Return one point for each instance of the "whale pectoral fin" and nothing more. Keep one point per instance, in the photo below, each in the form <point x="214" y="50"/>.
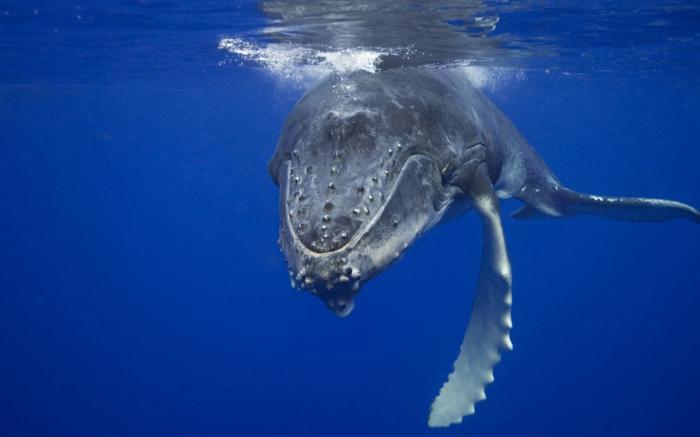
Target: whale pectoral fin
<point x="558" y="201"/>
<point x="490" y="322"/>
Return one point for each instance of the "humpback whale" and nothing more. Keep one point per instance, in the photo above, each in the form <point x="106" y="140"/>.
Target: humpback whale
<point x="367" y="162"/>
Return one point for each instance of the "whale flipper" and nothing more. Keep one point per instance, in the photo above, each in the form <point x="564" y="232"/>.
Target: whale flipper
<point x="528" y="178"/>
<point x="490" y="321"/>
<point x="558" y="201"/>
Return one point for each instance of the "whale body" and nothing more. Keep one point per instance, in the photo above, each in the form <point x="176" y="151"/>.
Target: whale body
<point x="367" y="162"/>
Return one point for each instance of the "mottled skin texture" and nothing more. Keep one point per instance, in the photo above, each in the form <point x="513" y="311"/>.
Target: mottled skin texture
<point x="367" y="162"/>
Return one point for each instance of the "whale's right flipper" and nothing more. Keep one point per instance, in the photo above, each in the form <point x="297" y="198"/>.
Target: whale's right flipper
<point x="557" y="201"/>
<point x="488" y="332"/>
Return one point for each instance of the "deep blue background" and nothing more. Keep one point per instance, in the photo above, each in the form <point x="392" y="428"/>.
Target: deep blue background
<point x="142" y="290"/>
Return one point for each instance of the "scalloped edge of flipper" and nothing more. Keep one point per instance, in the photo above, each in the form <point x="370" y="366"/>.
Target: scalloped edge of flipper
<point x="488" y="331"/>
<point x="473" y="369"/>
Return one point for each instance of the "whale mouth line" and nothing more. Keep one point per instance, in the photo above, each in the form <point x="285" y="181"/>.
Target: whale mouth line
<point x="360" y="233"/>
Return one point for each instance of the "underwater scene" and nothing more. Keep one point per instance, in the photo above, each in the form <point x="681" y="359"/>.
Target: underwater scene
<point x="349" y="218"/>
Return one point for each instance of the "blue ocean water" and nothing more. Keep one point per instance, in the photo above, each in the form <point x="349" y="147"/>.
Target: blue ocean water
<point x="142" y="291"/>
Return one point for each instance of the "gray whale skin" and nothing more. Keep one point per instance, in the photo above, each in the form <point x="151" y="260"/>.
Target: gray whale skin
<point x="366" y="162"/>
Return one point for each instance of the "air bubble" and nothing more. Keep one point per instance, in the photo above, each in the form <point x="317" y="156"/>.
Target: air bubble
<point x="328" y="206"/>
<point x="326" y="218"/>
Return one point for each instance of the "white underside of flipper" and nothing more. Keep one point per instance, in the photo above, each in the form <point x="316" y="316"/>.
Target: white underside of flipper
<point x="489" y="325"/>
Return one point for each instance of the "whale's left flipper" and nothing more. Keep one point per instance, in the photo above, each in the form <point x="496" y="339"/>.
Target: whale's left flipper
<point x="527" y="177"/>
<point x="557" y="201"/>
<point x="490" y="322"/>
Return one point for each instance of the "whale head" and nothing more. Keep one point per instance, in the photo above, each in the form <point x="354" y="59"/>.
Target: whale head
<point x="353" y="195"/>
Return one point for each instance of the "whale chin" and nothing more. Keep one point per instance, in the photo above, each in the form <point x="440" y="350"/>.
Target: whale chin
<point x="342" y="310"/>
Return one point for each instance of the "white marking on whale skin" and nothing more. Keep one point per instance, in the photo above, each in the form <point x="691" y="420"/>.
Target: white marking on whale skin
<point x="347" y="112"/>
<point x="507" y="319"/>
